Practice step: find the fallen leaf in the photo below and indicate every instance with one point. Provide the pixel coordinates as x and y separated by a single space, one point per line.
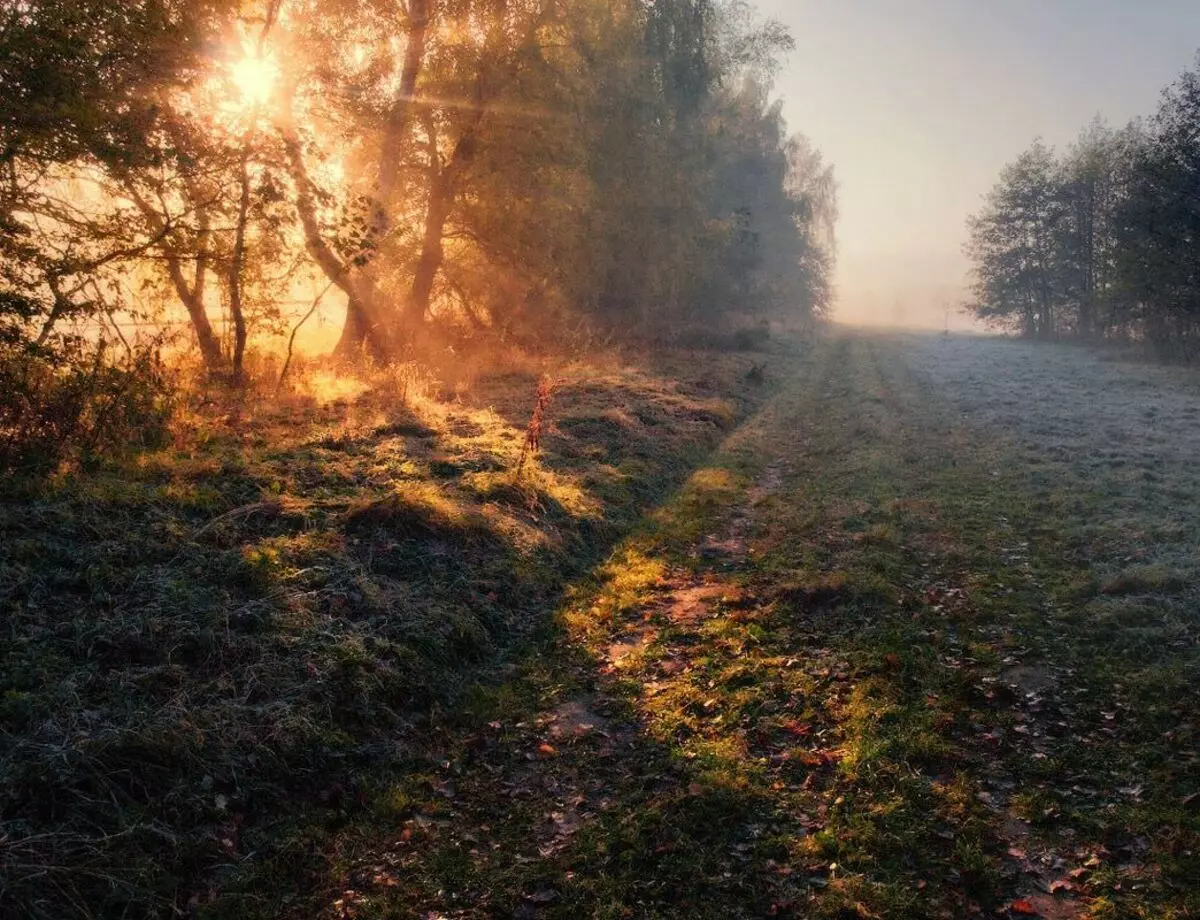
547 750
1061 885
1023 907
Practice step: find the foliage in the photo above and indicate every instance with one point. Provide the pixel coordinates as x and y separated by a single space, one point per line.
500 169
83 83
1100 242
78 402
1159 220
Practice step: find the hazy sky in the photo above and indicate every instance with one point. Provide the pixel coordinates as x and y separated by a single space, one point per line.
919 103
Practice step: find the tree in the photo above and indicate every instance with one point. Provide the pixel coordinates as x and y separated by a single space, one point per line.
363 82
1093 182
81 82
1014 244
501 164
1158 262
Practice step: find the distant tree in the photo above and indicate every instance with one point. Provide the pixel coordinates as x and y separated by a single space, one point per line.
1158 261
1093 183
1014 245
1103 242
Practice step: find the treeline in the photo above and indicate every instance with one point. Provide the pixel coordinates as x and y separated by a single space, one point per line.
485 167
1103 240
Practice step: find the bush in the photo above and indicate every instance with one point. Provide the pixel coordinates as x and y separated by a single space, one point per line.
78 402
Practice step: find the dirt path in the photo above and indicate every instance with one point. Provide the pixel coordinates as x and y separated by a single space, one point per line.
884 656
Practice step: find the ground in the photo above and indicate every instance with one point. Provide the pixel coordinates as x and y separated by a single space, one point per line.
904 628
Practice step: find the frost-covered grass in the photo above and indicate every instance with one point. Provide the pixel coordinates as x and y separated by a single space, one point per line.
215 653
916 640
863 665
1106 448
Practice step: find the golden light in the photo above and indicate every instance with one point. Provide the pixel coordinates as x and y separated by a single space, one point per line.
255 78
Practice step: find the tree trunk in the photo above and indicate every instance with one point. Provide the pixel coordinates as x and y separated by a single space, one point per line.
438 210
190 295
206 338
356 330
419 13
364 326
237 265
443 185
399 118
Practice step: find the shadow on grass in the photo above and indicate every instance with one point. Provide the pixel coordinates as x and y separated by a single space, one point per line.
192 701
540 789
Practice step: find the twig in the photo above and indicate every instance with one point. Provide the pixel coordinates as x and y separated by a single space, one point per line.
295 329
236 512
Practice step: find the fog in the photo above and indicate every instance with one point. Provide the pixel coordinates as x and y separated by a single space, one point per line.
920 104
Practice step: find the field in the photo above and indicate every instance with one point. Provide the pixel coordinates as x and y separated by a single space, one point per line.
894 626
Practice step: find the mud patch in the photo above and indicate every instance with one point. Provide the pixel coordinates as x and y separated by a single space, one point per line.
768 484
575 719
630 647
732 545
694 604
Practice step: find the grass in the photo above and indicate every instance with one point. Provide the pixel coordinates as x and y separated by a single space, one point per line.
217 655
895 698
864 659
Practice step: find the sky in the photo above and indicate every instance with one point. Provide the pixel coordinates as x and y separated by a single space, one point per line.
920 103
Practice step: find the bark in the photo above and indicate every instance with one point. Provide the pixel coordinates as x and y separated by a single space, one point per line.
403 105
419 13
190 295
193 301
443 186
432 253
363 325
237 265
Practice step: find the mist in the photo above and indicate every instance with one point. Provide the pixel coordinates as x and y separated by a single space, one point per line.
562 459
920 107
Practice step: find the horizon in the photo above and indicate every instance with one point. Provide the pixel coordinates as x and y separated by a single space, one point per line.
919 129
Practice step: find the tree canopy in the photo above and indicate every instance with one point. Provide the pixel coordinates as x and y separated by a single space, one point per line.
474 166
1102 241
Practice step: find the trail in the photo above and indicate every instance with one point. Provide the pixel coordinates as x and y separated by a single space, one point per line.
861 665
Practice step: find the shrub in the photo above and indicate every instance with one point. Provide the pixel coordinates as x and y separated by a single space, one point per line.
78 401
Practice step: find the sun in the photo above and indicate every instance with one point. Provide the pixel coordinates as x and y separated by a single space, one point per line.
255 77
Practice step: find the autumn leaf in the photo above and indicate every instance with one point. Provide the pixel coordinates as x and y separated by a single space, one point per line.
1024 907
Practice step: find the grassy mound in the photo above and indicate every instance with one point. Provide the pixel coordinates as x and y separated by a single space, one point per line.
213 654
